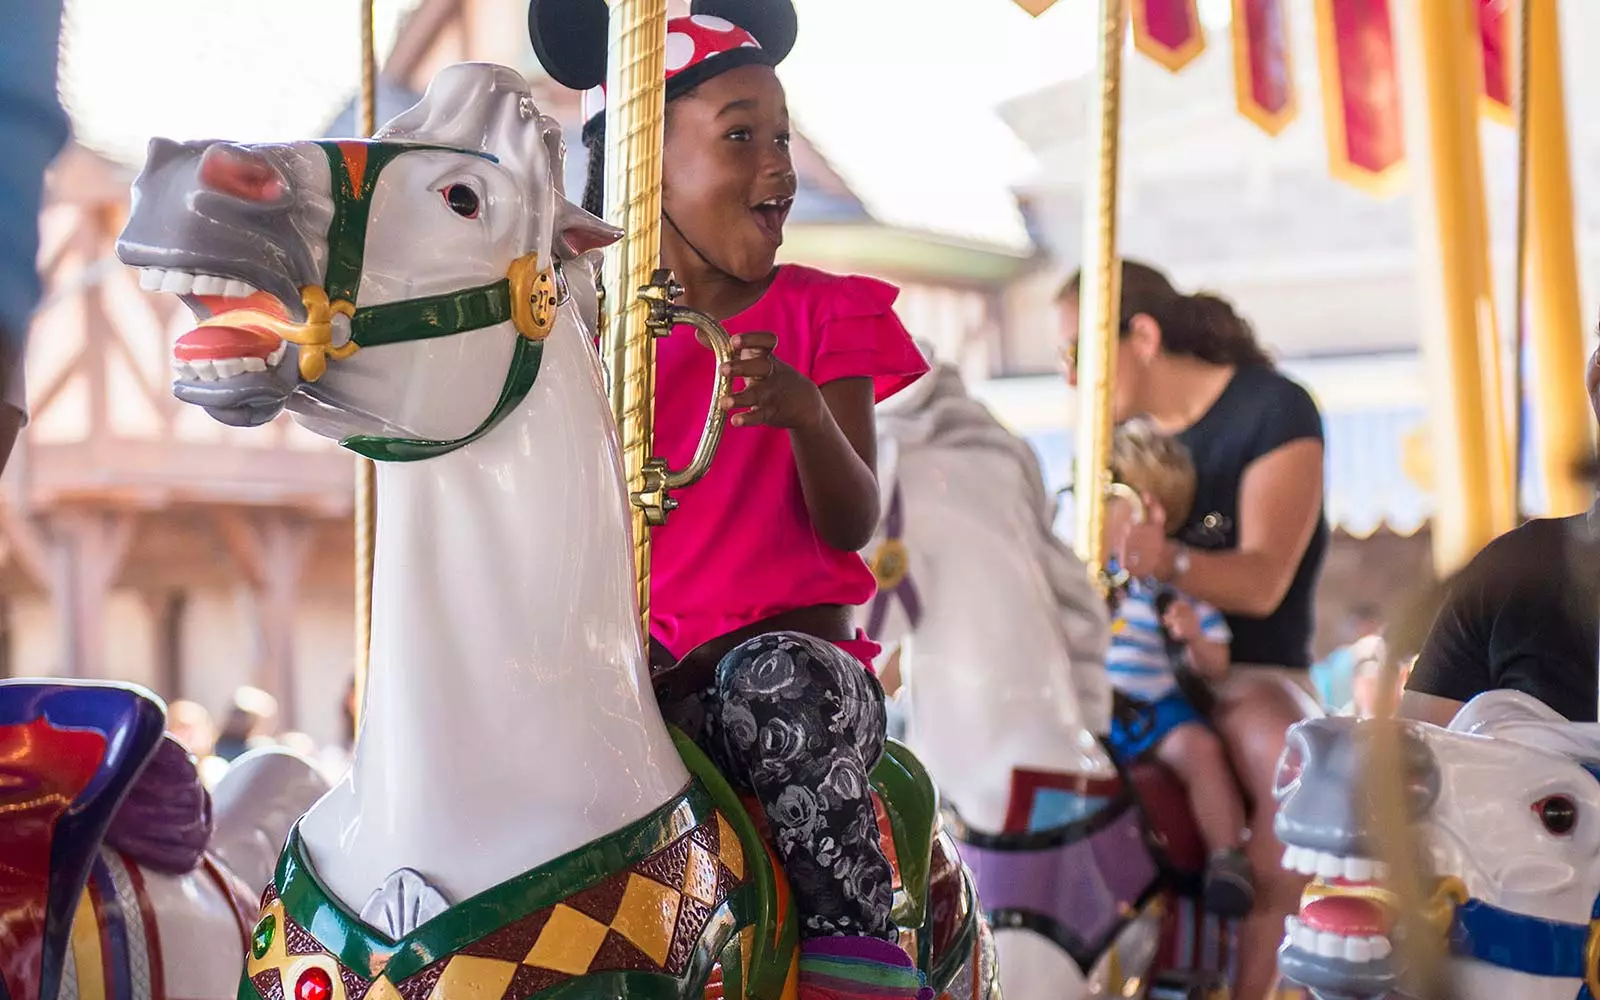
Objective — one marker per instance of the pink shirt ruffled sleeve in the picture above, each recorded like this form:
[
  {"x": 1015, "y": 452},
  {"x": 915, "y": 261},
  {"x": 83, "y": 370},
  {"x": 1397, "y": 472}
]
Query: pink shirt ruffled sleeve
[{"x": 860, "y": 336}]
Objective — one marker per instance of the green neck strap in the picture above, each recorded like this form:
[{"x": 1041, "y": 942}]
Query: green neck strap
[{"x": 355, "y": 166}]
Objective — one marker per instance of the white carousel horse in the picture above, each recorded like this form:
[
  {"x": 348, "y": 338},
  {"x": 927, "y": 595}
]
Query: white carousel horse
[
  {"x": 118, "y": 879},
  {"x": 1002, "y": 639},
  {"x": 1505, "y": 806},
  {"x": 518, "y": 817}
]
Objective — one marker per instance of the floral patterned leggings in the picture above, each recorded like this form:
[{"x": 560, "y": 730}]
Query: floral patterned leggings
[{"x": 800, "y": 724}]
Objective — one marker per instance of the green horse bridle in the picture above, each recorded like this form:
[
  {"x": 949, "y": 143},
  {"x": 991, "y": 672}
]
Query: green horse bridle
[{"x": 527, "y": 297}]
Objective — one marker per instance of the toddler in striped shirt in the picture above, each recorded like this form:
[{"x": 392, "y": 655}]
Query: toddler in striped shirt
[{"x": 1157, "y": 631}]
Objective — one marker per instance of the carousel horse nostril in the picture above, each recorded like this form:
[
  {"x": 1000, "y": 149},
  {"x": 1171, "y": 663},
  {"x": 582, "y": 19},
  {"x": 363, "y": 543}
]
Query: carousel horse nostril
[{"x": 241, "y": 173}]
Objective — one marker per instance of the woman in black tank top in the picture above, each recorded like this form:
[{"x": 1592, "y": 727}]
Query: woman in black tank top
[{"x": 1253, "y": 544}]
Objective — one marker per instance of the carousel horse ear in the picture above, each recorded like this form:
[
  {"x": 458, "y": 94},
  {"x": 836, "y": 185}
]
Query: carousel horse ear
[
  {"x": 772, "y": 22},
  {"x": 569, "y": 37},
  {"x": 578, "y": 232}
]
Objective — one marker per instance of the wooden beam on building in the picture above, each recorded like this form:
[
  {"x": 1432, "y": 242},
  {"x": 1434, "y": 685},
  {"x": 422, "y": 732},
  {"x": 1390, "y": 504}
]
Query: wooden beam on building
[
  {"x": 26, "y": 544},
  {"x": 87, "y": 552},
  {"x": 167, "y": 608},
  {"x": 270, "y": 549}
]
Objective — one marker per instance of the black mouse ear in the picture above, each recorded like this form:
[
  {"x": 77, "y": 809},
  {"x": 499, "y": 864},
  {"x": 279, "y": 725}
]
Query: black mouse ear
[
  {"x": 772, "y": 22},
  {"x": 569, "y": 37}
]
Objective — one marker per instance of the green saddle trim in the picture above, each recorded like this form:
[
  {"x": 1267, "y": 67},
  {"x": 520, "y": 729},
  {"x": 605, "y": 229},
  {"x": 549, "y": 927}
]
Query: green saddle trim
[
  {"x": 307, "y": 901},
  {"x": 777, "y": 931},
  {"x": 912, "y": 802}
]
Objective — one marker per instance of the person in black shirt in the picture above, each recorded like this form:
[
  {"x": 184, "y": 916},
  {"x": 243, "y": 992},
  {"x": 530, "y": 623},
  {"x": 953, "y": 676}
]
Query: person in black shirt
[
  {"x": 1524, "y": 614},
  {"x": 1252, "y": 546}
]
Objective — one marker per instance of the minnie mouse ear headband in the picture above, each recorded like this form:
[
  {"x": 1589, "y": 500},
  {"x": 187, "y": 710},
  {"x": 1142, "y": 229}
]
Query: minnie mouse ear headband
[{"x": 569, "y": 37}]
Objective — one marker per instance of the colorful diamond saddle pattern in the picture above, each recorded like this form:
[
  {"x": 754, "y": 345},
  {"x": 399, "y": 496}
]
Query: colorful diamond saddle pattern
[{"x": 650, "y": 917}]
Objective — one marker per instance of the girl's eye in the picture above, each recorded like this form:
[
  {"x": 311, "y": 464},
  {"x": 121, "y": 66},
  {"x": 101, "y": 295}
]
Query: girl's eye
[
  {"x": 783, "y": 140},
  {"x": 739, "y": 135},
  {"x": 462, "y": 200}
]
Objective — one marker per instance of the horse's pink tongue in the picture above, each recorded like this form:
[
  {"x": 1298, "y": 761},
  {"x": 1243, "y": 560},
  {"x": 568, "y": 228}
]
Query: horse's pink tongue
[
  {"x": 210, "y": 343},
  {"x": 1345, "y": 915}
]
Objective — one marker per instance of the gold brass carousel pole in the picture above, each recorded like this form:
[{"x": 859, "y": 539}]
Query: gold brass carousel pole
[
  {"x": 1442, "y": 143},
  {"x": 366, "y": 495},
  {"x": 635, "y": 108},
  {"x": 1099, "y": 296},
  {"x": 1555, "y": 320}
]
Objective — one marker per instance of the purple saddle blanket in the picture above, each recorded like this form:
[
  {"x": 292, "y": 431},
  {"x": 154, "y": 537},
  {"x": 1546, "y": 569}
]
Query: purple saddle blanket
[{"x": 164, "y": 823}]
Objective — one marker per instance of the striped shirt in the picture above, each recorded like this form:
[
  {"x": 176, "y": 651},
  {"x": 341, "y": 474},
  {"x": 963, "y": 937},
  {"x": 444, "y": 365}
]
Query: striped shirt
[{"x": 1137, "y": 660}]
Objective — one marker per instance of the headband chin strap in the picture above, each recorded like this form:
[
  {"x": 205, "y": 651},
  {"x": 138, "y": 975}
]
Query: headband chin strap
[{"x": 697, "y": 251}]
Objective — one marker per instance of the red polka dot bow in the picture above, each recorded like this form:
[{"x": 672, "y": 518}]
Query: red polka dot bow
[{"x": 697, "y": 46}]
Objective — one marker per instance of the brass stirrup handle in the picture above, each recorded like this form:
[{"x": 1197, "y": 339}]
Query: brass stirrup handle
[{"x": 664, "y": 315}]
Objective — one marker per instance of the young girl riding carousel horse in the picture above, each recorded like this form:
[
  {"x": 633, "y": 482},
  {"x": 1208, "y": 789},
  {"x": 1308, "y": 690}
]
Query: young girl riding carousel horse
[{"x": 754, "y": 577}]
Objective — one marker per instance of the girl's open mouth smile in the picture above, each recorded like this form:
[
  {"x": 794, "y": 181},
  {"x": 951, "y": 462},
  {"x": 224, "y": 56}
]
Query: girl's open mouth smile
[{"x": 770, "y": 216}]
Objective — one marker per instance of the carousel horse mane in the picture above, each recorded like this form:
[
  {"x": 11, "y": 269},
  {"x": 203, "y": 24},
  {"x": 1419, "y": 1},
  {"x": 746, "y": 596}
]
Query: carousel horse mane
[{"x": 939, "y": 413}]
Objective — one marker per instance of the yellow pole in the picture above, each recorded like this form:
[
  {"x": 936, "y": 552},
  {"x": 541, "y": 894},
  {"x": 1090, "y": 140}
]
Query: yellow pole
[
  {"x": 635, "y": 110},
  {"x": 366, "y": 493},
  {"x": 1099, "y": 295},
  {"x": 1555, "y": 321},
  {"x": 1471, "y": 484}
]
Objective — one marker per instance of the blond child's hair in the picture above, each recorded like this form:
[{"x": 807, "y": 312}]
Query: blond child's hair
[{"x": 1154, "y": 464}]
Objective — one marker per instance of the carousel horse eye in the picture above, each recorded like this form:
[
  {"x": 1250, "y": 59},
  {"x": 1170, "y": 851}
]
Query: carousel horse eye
[
  {"x": 462, "y": 200},
  {"x": 1558, "y": 813}
]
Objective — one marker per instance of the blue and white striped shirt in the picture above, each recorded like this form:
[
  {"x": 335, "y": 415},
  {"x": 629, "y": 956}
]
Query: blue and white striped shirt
[{"x": 1137, "y": 660}]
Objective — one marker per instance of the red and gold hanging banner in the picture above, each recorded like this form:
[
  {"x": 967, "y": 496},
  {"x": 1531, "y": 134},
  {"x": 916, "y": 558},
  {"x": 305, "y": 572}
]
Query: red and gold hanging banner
[
  {"x": 1263, "y": 70},
  {"x": 1361, "y": 93},
  {"x": 1168, "y": 31},
  {"x": 1499, "y": 61}
]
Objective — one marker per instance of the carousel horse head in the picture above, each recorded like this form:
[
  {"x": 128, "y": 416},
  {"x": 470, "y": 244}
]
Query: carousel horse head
[
  {"x": 1505, "y": 807},
  {"x": 395, "y": 294}
]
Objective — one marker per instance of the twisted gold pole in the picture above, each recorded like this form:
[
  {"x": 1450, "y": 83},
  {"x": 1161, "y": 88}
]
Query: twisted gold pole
[
  {"x": 1099, "y": 296},
  {"x": 635, "y": 112},
  {"x": 366, "y": 494}
]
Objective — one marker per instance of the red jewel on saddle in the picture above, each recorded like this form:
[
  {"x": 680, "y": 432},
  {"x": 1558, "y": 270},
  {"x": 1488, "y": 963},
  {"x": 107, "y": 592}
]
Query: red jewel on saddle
[{"x": 313, "y": 984}]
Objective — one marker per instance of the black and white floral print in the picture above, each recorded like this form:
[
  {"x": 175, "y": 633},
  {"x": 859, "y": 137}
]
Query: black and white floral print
[{"x": 796, "y": 721}]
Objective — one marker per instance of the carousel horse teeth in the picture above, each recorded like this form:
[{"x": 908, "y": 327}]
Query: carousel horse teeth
[
  {"x": 1380, "y": 947},
  {"x": 209, "y": 284},
  {"x": 205, "y": 371},
  {"x": 1291, "y": 859},
  {"x": 1358, "y": 949},
  {"x": 1358, "y": 869},
  {"x": 239, "y": 289},
  {"x": 184, "y": 370},
  {"x": 177, "y": 283},
  {"x": 253, "y": 364},
  {"x": 1330, "y": 945},
  {"x": 1329, "y": 865},
  {"x": 150, "y": 278},
  {"x": 276, "y": 356},
  {"x": 229, "y": 367}
]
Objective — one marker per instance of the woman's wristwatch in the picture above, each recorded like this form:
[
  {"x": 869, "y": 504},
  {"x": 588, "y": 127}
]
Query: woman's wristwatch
[{"x": 1180, "y": 561}]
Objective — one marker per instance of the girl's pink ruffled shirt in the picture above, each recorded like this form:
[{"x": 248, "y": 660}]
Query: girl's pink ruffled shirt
[{"x": 741, "y": 546}]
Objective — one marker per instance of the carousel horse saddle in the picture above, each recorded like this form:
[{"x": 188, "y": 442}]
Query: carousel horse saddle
[
  {"x": 686, "y": 902},
  {"x": 70, "y": 755}
]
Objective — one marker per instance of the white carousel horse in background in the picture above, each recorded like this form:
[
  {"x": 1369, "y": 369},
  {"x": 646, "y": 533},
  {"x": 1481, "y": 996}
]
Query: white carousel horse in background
[
  {"x": 518, "y": 817},
  {"x": 120, "y": 877},
  {"x": 1002, "y": 639},
  {"x": 1505, "y": 806}
]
